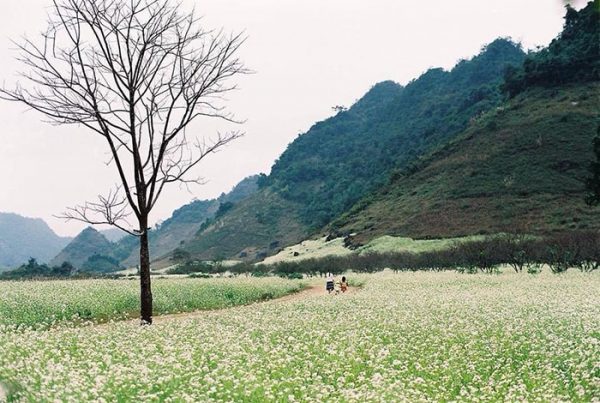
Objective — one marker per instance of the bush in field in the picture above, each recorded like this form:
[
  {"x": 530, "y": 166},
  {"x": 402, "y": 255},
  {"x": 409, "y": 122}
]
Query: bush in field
[
  {"x": 190, "y": 267},
  {"x": 517, "y": 250},
  {"x": 479, "y": 255},
  {"x": 520, "y": 252},
  {"x": 589, "y": 251},
  {"x": 436, "y": 260},
  {"x": 562, "y": 252}
]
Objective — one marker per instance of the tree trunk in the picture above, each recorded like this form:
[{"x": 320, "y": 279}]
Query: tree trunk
[{"x": 145, "y": 286}]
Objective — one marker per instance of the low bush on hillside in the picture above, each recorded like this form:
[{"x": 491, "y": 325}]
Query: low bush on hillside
[{"x": 522, "y": 253}]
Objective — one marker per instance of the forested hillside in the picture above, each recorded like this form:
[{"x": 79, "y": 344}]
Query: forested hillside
[
  {"x": 520, "y": 166},
  {"x": 340, "y": 160}
]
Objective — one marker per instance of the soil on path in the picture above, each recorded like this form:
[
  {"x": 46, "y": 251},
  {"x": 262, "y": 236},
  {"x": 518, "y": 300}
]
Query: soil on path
[{"x": 311, "y": 291}]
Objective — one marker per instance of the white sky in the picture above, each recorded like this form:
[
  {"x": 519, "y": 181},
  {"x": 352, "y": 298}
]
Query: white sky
[{"x": 308, "y": 55}]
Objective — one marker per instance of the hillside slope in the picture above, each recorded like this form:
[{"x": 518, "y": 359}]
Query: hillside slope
[
  {"x": 518, "y": 167},
  {"x": 338, "y": 161},
  {"x": 22, "y": 238},
  {"x": 170, "y": 234},
  {"x": 185, "y": 222},
  {"x": 257, "y": 227},
  {"x": 88, "y": 243}
]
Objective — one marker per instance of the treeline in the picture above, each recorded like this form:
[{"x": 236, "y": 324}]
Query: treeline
[
  {"x": 34, "y": 270},
  {"x": 103, "y": 267},
  {"x": 574, "y": 56},
  {"x": 522, "y": 253}
]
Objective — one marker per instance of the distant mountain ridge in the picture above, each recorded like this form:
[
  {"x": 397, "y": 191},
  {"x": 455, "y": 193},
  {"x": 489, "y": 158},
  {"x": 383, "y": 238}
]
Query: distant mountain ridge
[
  {"x": 22, "y": 238},
  {"x": 170, "y": 234}
]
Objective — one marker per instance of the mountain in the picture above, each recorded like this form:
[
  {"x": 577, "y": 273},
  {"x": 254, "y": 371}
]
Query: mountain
[
  {"x": 572, "y": 57},
  {"x": 88, "y": 243},
  {"x": 520, "y": 166},
  {"x": 22, "y": 238},
  {"x": 113, "y": 234},
  {"x": 325, "y": 171},
  {"x": 93, "y": 251},
  {"x": 479, "y": 148},
  {"x": 188, "y": 220}
]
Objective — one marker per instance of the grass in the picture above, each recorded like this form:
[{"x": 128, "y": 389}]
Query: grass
[
  {"x": 310, "y": 249},
  {"x": 420, "y": 336},
  {"x": 43, "y": 304},
  {"x": 319, "y": 248},
  {"x": 518, "y": 167},
  {"x": 389, "y": 243}
]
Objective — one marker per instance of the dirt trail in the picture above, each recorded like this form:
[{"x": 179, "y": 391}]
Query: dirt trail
[
  {"x": 3, "y": 394},
  {"x": 311, "y": 291}
]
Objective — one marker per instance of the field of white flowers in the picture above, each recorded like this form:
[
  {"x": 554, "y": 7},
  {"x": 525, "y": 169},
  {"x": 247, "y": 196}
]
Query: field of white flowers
[
  {"x": 404, "y": 337},
  {"x": 43, "y": 304}
]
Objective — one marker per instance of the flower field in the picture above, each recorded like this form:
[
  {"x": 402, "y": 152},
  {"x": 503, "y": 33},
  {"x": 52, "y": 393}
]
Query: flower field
[
  {"x": 40, "y": 304},
  {"x": 404, "y": 337}
]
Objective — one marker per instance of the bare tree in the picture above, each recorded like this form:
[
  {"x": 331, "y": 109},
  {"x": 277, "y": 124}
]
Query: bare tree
[{"x": 136, "y": 72}]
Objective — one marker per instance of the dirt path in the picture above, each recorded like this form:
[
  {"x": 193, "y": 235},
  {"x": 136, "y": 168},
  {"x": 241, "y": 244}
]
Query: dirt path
[
  {"x": 311, "y": 291},
  {"x": 3, "y": 395}
]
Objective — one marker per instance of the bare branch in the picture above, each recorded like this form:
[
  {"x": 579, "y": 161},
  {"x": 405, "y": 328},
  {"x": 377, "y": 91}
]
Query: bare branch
[{"x": 138, "y": 73}]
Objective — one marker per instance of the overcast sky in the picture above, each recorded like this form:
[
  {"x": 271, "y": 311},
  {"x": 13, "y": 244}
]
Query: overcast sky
[{"x": 308, "y": 55}]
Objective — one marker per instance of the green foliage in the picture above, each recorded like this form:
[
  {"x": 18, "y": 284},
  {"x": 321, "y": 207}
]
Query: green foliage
[
  {"x": 341, "y": 159},
  {"x": 191, "y": 266},
  {"x": 574, "y": 56},
  {"x": 33, "y": 270},
  {"x": 593, "y": 182},
  {"x": 88, "y": 243},
  {"x": 43, "y": 304},
  {"x": 101, "y": 264},
  {"x": 180, "y": 255},
  {"x": 516, "y": 176}
]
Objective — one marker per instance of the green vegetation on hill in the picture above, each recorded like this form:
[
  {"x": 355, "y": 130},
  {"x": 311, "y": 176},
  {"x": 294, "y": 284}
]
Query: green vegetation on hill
[
  {"x": 187, "y": 220},
  {"x": 257, "y": 227},
  {"x": 91, "y": 251},
  {"x": 573, "y": 57},
  {"x": 342, "y": 158},
  {"x": 88, "y": 243},
  {"x": 518, "y": 167}
]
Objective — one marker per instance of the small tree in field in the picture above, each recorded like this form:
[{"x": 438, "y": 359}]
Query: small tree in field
[{"x": 137, "y": 73}]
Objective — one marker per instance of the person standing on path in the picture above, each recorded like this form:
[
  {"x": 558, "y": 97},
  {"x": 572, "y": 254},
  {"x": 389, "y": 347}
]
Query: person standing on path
[
  {"x": 344, "y": 284},
  {"x": 329, "y": 285}
]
